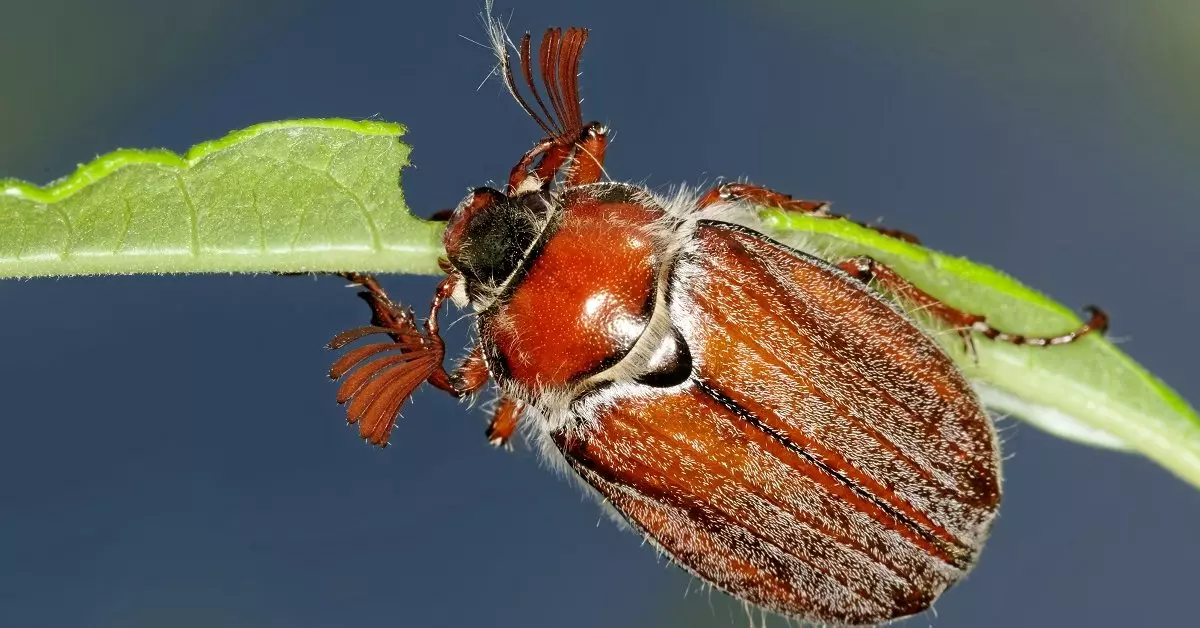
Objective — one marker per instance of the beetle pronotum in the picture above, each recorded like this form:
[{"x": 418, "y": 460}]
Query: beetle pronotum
[{"x": 764, "y": 417}]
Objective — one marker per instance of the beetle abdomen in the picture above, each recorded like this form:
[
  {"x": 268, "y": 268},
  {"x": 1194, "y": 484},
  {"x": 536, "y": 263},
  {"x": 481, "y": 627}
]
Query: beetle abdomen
[{"x": 826, "y": 460}]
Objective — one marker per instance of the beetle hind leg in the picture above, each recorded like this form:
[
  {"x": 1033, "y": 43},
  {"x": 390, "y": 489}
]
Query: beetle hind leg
[
  {"x": 866, "y": 269},
  {"x": 770, "y": 198}
]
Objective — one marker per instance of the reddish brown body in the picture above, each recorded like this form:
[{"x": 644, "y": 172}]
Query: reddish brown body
[
  {"x": 825, "y": 460},
  {"x": 765, "y": 418}
]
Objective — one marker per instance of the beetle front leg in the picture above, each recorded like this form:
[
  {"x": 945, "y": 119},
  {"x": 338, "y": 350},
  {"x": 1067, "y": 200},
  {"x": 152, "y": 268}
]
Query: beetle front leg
[
  {"x": 386, "y": 314},
  {"x": 770, "y": 198},
  {"x": 866, "y": 269}
]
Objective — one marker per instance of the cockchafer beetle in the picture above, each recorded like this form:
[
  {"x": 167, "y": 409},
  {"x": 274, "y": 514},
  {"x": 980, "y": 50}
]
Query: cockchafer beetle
[{"x": 764, "y": 417}]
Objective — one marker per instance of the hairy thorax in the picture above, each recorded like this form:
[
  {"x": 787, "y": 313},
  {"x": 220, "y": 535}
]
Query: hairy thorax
[{"x": 583, "y": 299}]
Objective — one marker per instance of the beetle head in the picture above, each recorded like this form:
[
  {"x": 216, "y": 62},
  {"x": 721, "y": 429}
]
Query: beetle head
[{"x": 490, "y": 235}]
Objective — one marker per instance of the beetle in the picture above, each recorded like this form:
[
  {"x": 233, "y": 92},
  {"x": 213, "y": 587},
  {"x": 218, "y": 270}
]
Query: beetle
[{"x": 774, "y": 422}]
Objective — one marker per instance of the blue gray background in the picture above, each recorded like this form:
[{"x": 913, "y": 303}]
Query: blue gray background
[{"x": 170, "y": 452}]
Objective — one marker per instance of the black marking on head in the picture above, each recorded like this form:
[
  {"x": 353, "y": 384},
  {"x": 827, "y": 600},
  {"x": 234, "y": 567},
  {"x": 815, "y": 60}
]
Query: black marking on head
[{"x": 500, "y": 239}]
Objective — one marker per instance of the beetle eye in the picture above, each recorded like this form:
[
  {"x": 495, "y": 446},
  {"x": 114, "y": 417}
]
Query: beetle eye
[{"x": 670, "y": 364}]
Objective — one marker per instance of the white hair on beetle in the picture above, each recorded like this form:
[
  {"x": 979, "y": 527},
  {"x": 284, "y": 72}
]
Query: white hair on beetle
[{"x": 575, "y": 406}]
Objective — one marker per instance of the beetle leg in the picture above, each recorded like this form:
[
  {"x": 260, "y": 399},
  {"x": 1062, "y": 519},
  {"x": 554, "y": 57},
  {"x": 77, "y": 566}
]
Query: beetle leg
[
  {"x": 384, "y": 311},
  {"x": 770, "y": 198},
  {"x": 471, "y": 375},
  {"x": 763, "y": 196},
  {"x": 865, "y": 269},
  {"x": 504, "y": 421},
  {"x": 440, "y": 378}
]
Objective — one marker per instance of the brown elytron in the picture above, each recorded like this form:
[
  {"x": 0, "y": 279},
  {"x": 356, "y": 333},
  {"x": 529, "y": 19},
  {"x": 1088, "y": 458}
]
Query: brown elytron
[
  {"x": 767, "y": 419},
  {"x": 827, "y": 460}
]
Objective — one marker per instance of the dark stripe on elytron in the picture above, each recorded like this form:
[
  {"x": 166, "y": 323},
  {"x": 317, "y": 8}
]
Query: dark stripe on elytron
[
  {"x": 839, "y": 539},
  {"x": 814, "y": 526},
  {"x": 951, "y": 554},
  {"x": 704, "y": 519}
]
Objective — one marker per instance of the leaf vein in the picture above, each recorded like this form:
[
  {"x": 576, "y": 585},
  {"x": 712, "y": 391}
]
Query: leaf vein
[
  {"x": 193, "y": 217},
  {"x": 262, "y": 231},
  {"x": 66, "y": 222},
  {"x": 372, "y": 228},
  {"x": 126, "y": 224}
]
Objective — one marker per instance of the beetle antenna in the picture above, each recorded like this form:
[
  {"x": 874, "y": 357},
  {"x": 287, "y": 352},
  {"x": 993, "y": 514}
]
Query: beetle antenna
[
  {"x": 564, "y": 52},
  {"x": 558, "y": 61},
  {"x": 527, "y": 69}
]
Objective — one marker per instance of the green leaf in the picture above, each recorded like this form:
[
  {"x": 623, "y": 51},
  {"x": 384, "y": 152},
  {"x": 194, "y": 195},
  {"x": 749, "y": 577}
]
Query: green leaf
[
  {"x": 300, "y": 195},
  {"x": 1088, "y": 391}
]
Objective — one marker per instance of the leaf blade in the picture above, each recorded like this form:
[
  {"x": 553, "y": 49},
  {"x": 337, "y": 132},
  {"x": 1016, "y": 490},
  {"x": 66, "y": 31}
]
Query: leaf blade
[{"x": 292, "y": 196}]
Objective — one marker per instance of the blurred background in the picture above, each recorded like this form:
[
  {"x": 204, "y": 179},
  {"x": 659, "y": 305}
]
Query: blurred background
[{"x": 170, "y": 451}]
